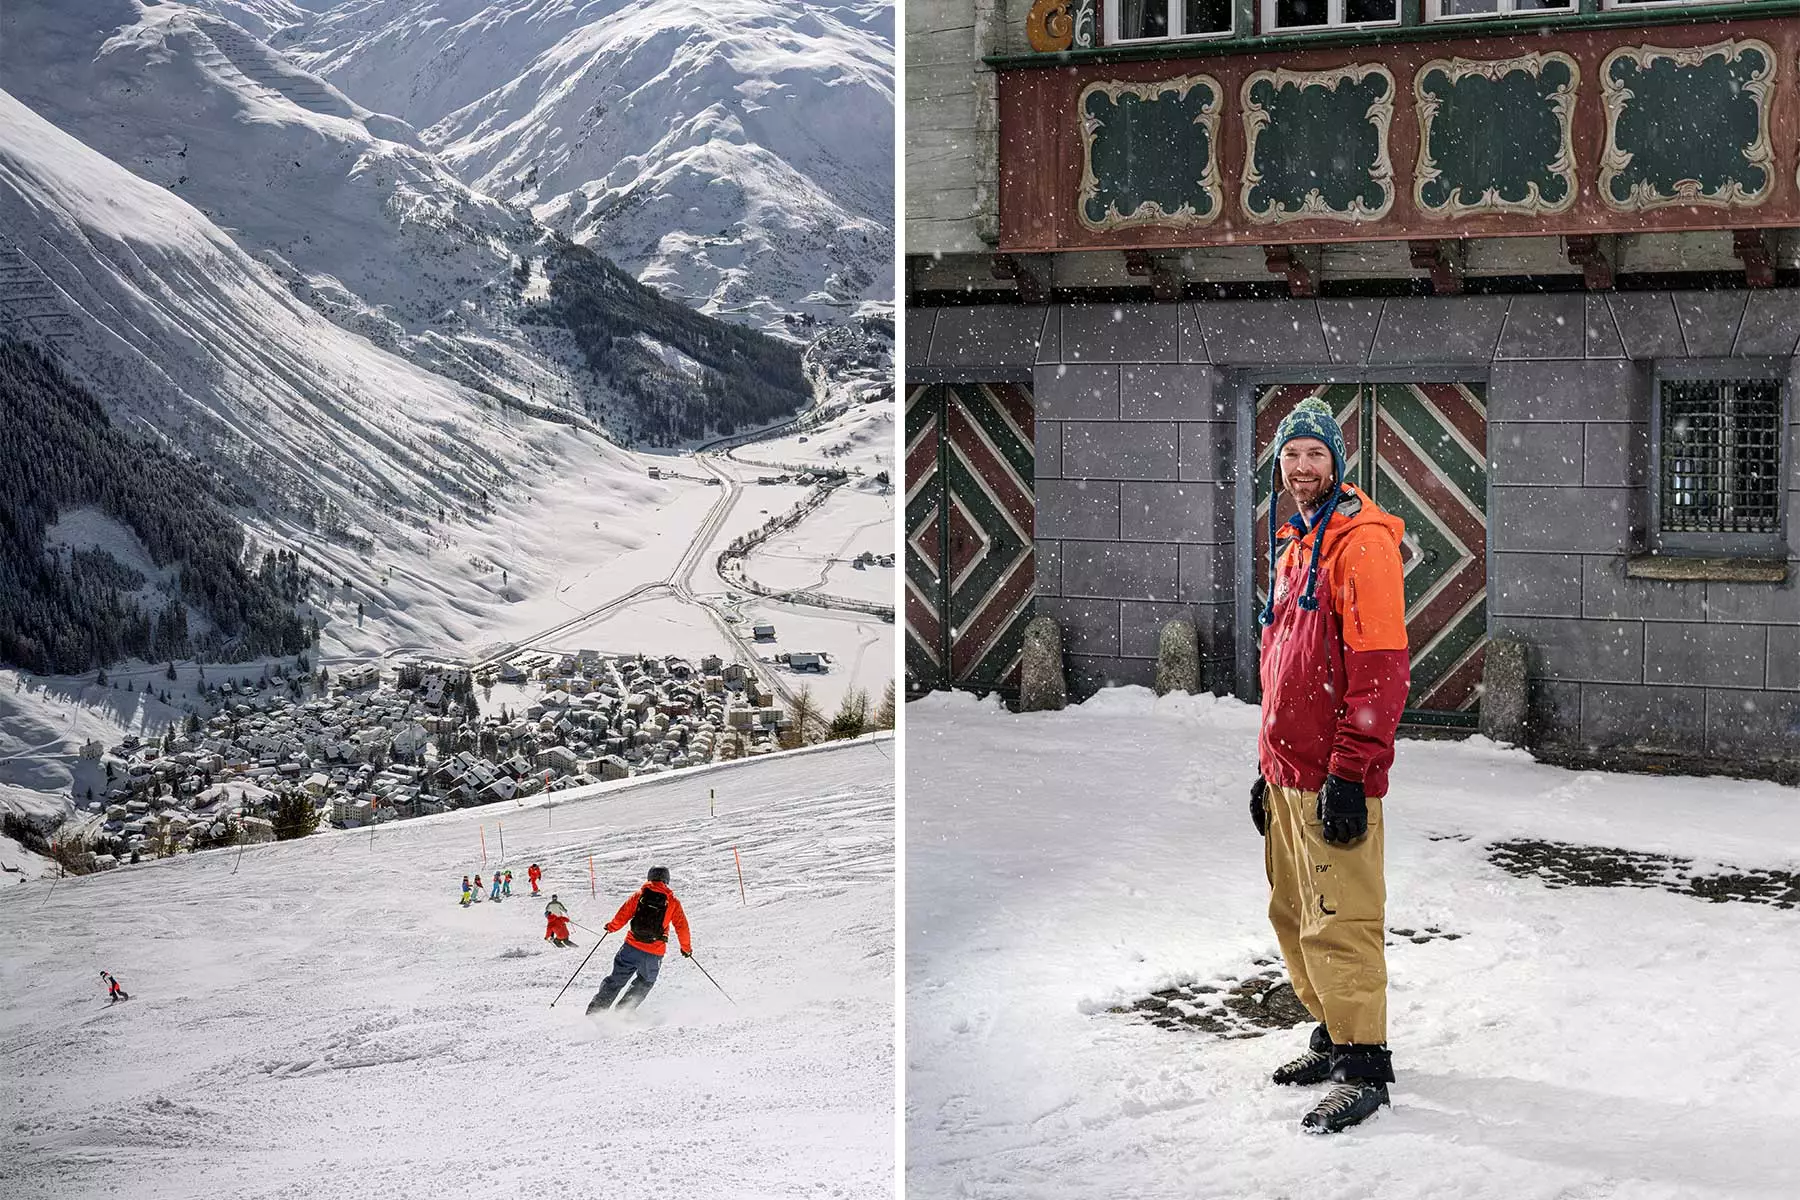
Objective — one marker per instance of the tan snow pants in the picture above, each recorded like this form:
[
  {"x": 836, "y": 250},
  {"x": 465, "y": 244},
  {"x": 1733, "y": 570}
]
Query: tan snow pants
[{"x": 1327, "y": 904}]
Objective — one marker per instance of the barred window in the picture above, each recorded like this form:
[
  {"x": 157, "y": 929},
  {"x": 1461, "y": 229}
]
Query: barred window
[{"x": 1720, "y": 465}]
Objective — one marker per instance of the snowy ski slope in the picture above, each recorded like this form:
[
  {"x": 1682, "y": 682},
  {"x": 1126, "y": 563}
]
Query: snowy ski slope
[
  {"x": 1575, "y": 1043},
  {"x": 328, "y": 1022}
]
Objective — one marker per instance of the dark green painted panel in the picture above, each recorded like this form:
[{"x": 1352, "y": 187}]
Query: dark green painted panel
[
  {"x": 1148, "y": 151},
  {"x": 1502, "y": 134},
  {"x": 1688, "y": 123},
  {"x": 1319, "y": 136}
]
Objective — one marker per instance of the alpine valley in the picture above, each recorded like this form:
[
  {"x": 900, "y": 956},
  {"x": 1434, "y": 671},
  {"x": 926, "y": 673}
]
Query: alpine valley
[{"x": 339, "y": 330}]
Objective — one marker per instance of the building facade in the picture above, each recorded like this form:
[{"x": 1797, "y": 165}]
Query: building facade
[{"x": 1540, "y": 259}]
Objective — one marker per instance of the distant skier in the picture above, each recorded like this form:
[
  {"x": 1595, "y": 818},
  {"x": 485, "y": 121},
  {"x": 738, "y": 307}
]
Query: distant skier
[
  {"x": 467, "y": 895},
  {"x": 114, "y": 993},
  {"x": 534, "y": 875},
  {"x": 650, "y": 911},
  {"x": 556, "y": 923},
  {"x": 507, "y": 890},
  {"x": 478, "y": 889},
  {"x": 495, "y": 893}
]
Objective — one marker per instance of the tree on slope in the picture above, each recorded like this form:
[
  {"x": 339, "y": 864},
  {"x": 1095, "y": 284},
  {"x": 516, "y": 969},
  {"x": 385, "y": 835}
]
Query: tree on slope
[
  {"x": 802, "y": 713},
  {"x": 295, "y": 816},
  {"x": 884, "y": 716},
  {"x": 852, "y": 716}
]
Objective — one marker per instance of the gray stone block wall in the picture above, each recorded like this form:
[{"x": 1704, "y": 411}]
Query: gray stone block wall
[{"x": 1139, "y": 458}]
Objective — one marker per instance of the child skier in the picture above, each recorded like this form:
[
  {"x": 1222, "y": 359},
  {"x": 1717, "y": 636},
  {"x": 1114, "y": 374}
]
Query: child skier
[
  {"x": 478, "y": 889},
  {"x": 534, "y": 875},
  {"x": 507, "y": 890},
  {"x": 465, "y": 895},
  {"x": 556, "y": 923},
  {"x": 114, "y": 993},
  {"x": 495, "y": 894},
  {"x": 650, "y": 911}
]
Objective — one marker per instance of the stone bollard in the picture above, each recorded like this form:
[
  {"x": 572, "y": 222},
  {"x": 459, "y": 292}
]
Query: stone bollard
[
  {"x": 1504, "y": 711},
  {"x": 1178, "y": 658},
  {"x": 1041, "y": 683}
]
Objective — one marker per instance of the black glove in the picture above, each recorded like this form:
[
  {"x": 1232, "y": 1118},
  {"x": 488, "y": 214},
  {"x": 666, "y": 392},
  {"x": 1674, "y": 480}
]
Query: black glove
[
  {"x": 1342, "y": 810},
  {"x": 1259, "y": 807},
  {"x": 687, "y": 954}
]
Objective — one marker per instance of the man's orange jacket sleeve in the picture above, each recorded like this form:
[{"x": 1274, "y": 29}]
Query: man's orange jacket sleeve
[
  {"x": 1371, "y": 601},
  {"x": 681, "y": 926},
  {"x": 623, "y": 915}
]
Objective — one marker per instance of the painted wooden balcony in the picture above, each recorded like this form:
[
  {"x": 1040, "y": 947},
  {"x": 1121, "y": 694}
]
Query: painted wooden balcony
[{"x": 1642, "y": 118}]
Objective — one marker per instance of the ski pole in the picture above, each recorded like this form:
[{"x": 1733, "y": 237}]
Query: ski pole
[
  {"x": 584, "y": 962},
  {"x": 579, "y": 925},
  {"x": 711, "y": 980}
]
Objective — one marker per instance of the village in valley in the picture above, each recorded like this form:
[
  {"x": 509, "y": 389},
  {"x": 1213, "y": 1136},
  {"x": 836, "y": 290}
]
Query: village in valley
[{"x": 293, "y": 750}]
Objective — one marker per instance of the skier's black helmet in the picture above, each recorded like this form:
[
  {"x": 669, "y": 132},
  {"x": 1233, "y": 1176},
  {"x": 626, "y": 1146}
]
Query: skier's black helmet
[{"x": 659, "y": 875}]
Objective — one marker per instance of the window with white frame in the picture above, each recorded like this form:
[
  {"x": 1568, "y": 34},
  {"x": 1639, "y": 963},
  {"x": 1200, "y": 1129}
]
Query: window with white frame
[
  {"x": 1278, "y": 15},
  {"x": 1150, "y": 20},
  {"x": 1719, "y": 471},
  {"x": 1455, "y": 10}
]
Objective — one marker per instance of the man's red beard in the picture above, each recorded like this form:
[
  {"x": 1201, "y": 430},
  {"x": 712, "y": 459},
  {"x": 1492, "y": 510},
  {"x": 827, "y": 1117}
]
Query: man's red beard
[{"x": 1310, "y": 494}]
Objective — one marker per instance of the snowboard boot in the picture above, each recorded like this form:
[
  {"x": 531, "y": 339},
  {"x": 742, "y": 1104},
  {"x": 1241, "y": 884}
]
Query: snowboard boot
[
  {"x": 1362, "y": 1074},
  {"x": 1312, "y": 1067}
]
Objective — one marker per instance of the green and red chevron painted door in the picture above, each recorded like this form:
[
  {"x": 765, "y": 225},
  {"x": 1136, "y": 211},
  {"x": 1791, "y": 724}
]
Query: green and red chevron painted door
[
  {"x": 970, "y": 570},
  {"x": 1431, "y": 472},
  {"x": 1428, "y": 467}
]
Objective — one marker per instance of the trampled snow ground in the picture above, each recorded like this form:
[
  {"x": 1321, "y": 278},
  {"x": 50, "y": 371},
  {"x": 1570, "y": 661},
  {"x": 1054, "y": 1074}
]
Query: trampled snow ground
[
  {"x": 328, "y": 1022},
  {"x": 1573, "y": 1043}
]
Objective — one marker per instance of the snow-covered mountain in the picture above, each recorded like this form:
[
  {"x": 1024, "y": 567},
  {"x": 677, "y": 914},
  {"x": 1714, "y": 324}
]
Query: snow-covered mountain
[{"x": 736, "y": 153}]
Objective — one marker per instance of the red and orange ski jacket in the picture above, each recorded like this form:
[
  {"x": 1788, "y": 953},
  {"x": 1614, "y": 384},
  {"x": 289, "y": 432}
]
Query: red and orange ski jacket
[
  {"x": 1335, "y": 677},
  {"x": 675, "y": 917}
]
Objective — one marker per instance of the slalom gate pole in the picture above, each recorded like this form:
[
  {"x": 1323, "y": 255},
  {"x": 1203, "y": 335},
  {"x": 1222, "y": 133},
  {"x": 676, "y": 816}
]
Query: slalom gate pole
[
  {"x": 502, "y": 829},
  {"x": 482, "y": 830},
  {"x": 740, "y": 866},
  {"x": 591, "y": 892},
  {"x": 243, "y": 836},
  {"x": 711, "y": 980},
  {"x": 49, "y": 893},
  {"x": 584, "y": 962},
  {"x": 711, "y": 808}
]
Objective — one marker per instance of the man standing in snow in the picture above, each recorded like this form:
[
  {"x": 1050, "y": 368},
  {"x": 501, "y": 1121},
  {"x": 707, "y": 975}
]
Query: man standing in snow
[
  {"x": 534, "y": 875},
  {"x": 1335, "y": 674},
  {"x": 650, "y": 910}
]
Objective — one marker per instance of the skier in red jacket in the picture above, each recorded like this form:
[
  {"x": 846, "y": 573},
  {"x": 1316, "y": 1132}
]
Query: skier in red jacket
[
  {"x": 650, "y": 910},
  {"x": 534, "y": 875},
  {"x": 556, "y": 923},
  {"x": 114, "y": 993}
]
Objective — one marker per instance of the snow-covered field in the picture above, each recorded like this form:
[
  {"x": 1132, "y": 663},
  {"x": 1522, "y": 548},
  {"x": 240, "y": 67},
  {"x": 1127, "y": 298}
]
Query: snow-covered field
[
  {"x": 1572, "y": 1043},
  {"x": 817, "y": 554},
  {"x": 323, "y": 1019}
]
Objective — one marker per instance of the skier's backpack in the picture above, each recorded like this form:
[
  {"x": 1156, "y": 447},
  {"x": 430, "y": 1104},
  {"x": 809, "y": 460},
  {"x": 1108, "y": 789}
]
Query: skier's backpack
[{"x": 649, "y": 921}]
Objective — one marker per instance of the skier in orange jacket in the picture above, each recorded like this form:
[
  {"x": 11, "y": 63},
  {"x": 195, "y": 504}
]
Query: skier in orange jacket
[
  {"x": 534, "y": 875},
  {"x": 650, "y": 911}
]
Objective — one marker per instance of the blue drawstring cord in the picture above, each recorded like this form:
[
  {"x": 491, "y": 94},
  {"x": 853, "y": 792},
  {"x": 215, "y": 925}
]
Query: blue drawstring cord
[{"x": 1308, "y": 601}]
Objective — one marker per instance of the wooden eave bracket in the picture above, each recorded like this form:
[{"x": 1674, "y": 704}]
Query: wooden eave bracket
[
  {"x": 1034, "y": 287},
  {"x": 1443, "y": 259},
  {"x": 1165, "y": 283},
  {"x": 1286, "y": 260},
  {"x": 1585, "y": 252},
  {"x": 1754, "y": 247}
]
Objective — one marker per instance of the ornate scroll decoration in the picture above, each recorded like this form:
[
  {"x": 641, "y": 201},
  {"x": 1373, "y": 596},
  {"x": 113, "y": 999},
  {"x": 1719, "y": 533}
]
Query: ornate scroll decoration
[
  {"x": 1314, "y": 204},
  {"x": 1049, "y": 27},
  {"x": 1562, "y": 166},
  {"x": 1758, "y": 86},
  {"x": 1147, "y": 211},
  {"x": 1086, "y": 22}
]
